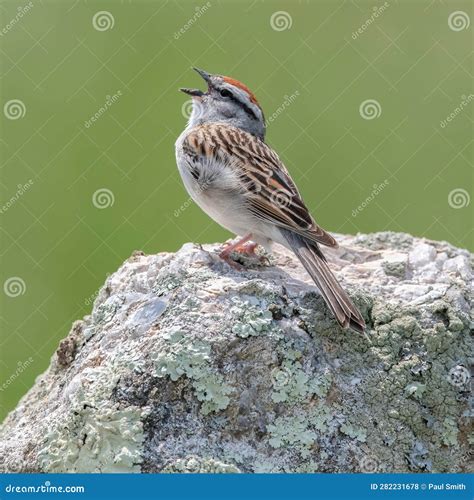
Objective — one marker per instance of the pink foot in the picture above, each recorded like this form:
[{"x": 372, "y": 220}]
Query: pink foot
[
  {"x": 247, "y": 248},
  {"x": 231, "y": 247},
  {"x": 241, "y": 246}
]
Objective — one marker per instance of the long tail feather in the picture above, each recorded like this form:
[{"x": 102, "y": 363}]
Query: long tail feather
[{"x": 310, "y": 255}]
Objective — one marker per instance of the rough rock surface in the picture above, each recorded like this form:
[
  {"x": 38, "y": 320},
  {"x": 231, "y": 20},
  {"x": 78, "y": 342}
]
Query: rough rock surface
[{"x": 189, "y": 365}]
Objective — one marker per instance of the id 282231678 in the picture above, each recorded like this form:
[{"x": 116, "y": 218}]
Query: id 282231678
[{"x": 418, "y": 486}]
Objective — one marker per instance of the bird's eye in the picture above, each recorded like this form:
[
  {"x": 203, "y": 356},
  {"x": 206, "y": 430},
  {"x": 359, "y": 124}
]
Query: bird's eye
[{"x": 225, "y": 93}]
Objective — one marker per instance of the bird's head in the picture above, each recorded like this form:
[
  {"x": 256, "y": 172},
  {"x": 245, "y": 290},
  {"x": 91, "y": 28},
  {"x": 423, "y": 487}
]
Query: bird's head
[{"x": 226, "y": 100}]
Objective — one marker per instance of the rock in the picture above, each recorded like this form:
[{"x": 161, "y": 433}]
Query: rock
[{"x": 189, "y": 365}]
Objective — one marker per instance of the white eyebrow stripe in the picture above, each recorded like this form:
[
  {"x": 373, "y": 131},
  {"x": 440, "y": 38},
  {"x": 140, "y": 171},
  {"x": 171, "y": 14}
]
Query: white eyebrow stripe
[{"x": 243, "y": 97}]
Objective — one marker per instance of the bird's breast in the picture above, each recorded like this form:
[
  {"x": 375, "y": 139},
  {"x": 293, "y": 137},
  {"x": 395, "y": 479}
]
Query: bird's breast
[{"x": 214, "y": 185}]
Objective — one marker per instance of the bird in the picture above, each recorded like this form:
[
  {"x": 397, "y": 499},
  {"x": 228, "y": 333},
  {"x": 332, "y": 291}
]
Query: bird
[{"x": 239, "y": 181}]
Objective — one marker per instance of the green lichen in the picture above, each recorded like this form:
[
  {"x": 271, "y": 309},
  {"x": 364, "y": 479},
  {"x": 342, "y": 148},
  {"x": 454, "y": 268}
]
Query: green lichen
[
  {"x": 96, "y": 435},
  {"x": 291, "y": 383},
  {"x": 450, "y": 432},
  {"x": 250, "y": 320},
  {"x": 397, "y": 268},
  {"x": 414, "y": 386},
  {"x": 385, "y": 239},
  {"x": 357, "y": 433},
  {"x": 95, "y": 440},
  {"x": 167, "y": 281},
  {"x": 292, "y": 431},
  {"x": 415, "y": 389},
  {"x": 300, "y": 431},
  {"x": 185, "y": 356},
  {"x": 105, "y": 311},
  {"x": 193, "y": 464}
]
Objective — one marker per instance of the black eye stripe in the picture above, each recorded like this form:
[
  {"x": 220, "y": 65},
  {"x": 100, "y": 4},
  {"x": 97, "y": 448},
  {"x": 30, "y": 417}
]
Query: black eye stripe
[
  {"x": 226, "y": 93},
  {"x": 247, "y": 109}
]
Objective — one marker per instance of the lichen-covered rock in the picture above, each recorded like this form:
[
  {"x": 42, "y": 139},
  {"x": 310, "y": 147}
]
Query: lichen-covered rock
[{"x": 189, "y": 365}]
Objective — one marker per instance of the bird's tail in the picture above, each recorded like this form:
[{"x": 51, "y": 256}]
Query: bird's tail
[{"x": 310, "y": 255}]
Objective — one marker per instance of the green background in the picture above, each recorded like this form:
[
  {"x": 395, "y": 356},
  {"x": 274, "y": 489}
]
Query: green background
[{"x": 62, "y": 246}]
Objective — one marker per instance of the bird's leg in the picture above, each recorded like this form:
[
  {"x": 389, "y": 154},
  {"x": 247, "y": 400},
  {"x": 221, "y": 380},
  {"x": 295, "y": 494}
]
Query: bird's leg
[
  {"x": 248, "y": 248},
  {"x": 228, "y": 249}
]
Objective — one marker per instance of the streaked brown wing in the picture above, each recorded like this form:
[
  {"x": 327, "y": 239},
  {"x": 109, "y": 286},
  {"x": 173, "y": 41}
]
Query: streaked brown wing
[{"x": 270, "y": 192}]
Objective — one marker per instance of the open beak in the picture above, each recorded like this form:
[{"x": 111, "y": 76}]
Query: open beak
[{"x": 196, "y": 92}]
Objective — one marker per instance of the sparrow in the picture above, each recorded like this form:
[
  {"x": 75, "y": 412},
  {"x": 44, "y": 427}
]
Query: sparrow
[{"x": 241, "y": 183}]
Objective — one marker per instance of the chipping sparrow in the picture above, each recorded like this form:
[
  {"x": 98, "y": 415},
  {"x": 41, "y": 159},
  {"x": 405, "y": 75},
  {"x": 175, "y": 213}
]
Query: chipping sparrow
[{"x": 242, "y": 184}]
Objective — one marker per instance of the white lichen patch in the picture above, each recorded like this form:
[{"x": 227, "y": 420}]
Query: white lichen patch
[
  {"x": 250, "y": 320},
  {"x": 300, "y": 431},
  {"x": 183, "y": 356},
  {"x": 195, "y": 464},
  {"x": 95, "y": 440},
  {"x": 96, "y": 435}
]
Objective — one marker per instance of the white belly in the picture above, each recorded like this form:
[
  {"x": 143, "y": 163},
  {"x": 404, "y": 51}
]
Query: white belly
[{"x": 221, "y": 199}]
